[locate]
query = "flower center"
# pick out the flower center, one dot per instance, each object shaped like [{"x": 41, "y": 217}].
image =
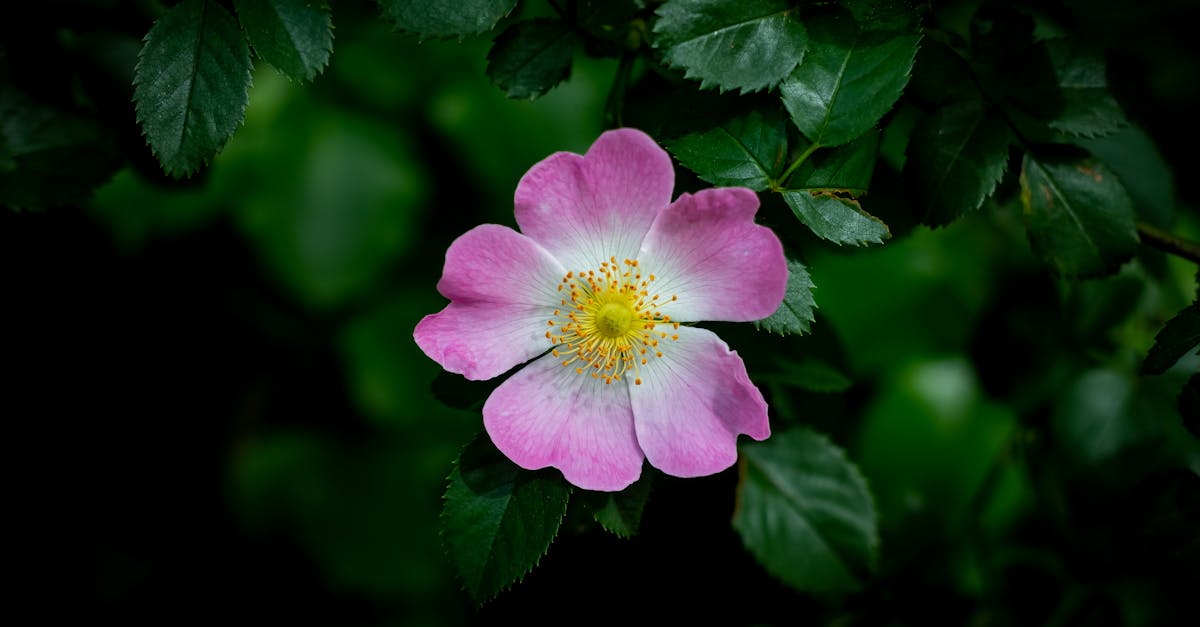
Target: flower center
[
  {"x": 614, "y": 319},
  {"x": 608, "y": 326}
]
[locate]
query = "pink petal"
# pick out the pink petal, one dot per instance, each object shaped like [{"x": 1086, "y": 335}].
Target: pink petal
[
  {"x": 548, "y": 415},
  {"x": 586, "y": 209},
  {"x": 706, "y": 251},
  {"x": 481, "y": 340},
  {"x": 503, "y": 291},
  {"x": 692, "y": 404}
]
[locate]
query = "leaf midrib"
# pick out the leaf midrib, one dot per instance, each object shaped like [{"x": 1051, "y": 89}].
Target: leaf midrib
[
  {"x": 941, "y": 180},
  {"x": 187, "y": 109},
  {"x": 721, "y": 30},
  {"x": 563, "y": 34},
  {"x": 291, "y": 36},
  {"x": 793, "y": 500},
  {"x": 837, "y": 88},
  {"x": 1070, "y": 212},
  {"x": 746, "y": 150}
]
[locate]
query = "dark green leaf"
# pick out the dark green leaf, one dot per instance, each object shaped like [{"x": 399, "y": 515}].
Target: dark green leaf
[
  {"x": 805, "y": 513},
  {"x": 294, "y": 36},
  {"x": 747, "y": 151},
  {"x": 498, "y": 520},
  {"x": 1177, "y": 338},
  {"x": 49, "y": 156},
  {"x": 1133, "y": 156},
  {"x": 956, "y": 156},
  {"x": 747, "y": 45},
  {"x": 1077, "y": 214},
  {"x": 845, "y": 169},
  {"x": 795, "y": 313},
  {"x": 824, "y": 193},
  {"x": 1189, "y": 405},
  {"x": 1065, "y": 86},
  {"x": 849, "y": 78},
  {"x": 191, "y": 84},
  {"x": 531, "y": 57},
  {"x": 446, "y": 18},
  {"x": 837, "y": 218},
  {"x": 621, "y": 512}
]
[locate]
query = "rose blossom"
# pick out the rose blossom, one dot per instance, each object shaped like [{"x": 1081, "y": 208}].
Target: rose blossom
[{"x": 598, "y": 289}]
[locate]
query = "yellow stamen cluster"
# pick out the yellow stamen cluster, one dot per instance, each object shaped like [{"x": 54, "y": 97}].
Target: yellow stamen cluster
[{"x": 607, "y": 326}]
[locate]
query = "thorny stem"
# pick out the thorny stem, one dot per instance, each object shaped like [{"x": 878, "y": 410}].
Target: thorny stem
[{"x": 1164, "y": 241}]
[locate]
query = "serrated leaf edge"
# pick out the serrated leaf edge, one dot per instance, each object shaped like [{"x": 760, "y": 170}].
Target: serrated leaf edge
[
  {"x": 706, "y": 83},
  {"x": 447, "y": 551},
  {"x": 314, "y": 72},
  {"x": 873, "y": 541},
  {"x": 205, "y": 161},
  {"x": 421, "y": 36}
]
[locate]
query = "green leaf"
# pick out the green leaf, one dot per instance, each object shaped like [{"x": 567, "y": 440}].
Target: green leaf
[
  {"x": 837, "y": 218},
  {"x": 531, "y": 57},
  {"x": 747, "y": 151},
  {"x": 1077, "y": 214},
  {"x": 621, "y": 512},
  {"x": 191, "y": 83},
  {"x": 1177, "y": 338},
  {"x": 805, "y": 513},
  {"x": 50, "y": 157},
  {"x": 498, "y": 520},
  {"x": 795, "y": 313},
  {"x": 824, "y": 193},
  {"x": 1064, "y": 85},
  {"x": 1133, "y": 156},
  {"x": 446, "y": 18},
  {"x": 956, "y": 156},
  {"x": 294, "y": 36},
  {"x": 748, "y": 45},
  {"x": 849, "y": 78}
]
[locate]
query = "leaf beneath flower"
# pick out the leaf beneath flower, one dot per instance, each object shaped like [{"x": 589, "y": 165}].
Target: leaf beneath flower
[
  {"x": 498, "y": 520},
  {"x": 805, "y": 512},
  {"x": 795, "y": 313}
]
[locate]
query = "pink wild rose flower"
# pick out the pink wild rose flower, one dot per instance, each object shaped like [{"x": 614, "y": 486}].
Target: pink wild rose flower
[{"x": 597, "y": 289}]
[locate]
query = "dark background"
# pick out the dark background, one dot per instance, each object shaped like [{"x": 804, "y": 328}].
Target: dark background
[{"x": 215, "y": 411}]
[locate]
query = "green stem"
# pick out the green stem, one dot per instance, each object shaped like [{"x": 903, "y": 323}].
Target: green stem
[
  {"x": 614, "y": 106},
  {"x": 779, "y": 182},
  {"x": 1164, "y": 241}
]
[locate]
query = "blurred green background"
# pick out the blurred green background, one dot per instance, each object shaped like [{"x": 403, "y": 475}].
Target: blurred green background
[{"x": 218, "y": 412}]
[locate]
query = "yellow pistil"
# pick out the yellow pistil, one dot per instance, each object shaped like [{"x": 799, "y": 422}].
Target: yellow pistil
[{"x": 608, "y": 319}]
